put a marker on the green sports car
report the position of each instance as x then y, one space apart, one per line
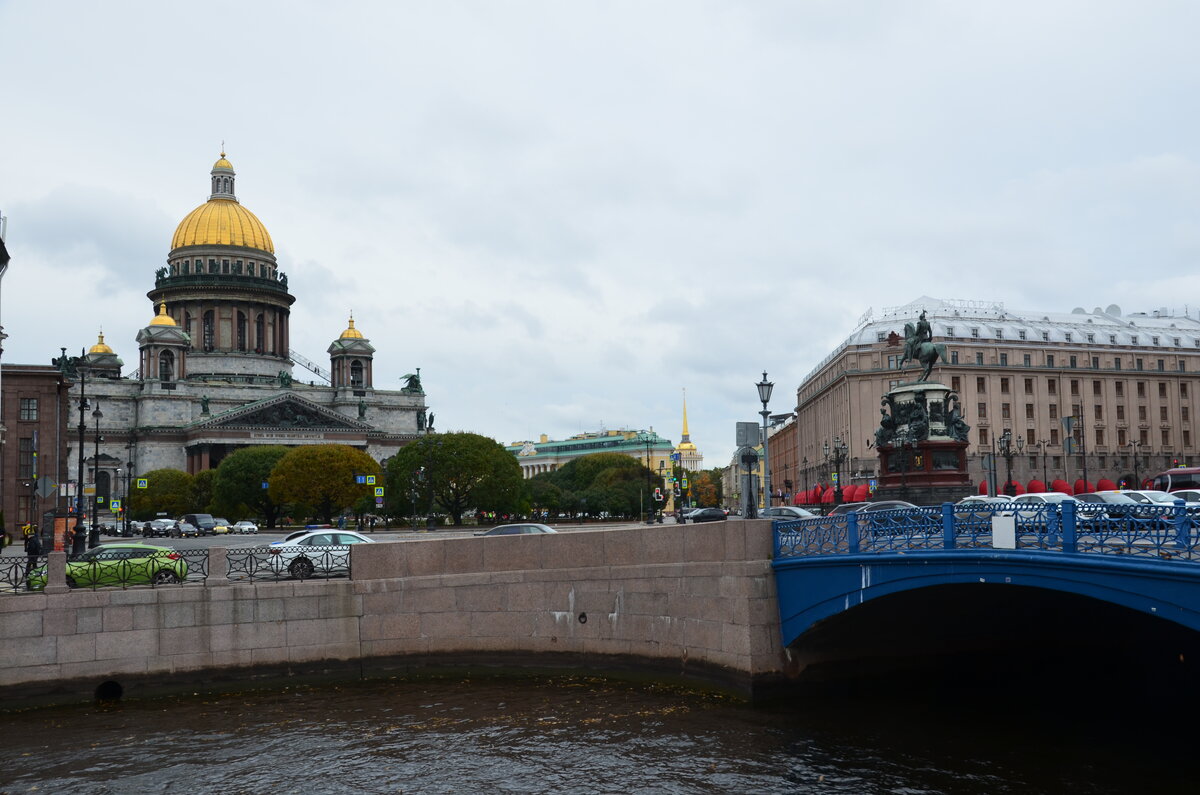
119 564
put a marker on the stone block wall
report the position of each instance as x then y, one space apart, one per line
695 600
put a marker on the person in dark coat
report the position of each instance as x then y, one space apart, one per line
33 548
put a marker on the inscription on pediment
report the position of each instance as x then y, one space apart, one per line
287 415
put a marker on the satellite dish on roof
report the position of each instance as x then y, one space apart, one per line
1113 310
1079 310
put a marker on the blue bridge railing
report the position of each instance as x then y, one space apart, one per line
1168 532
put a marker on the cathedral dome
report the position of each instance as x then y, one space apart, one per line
100 346
351 333
222 221
162 318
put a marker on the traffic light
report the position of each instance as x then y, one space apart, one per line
658 494
1175 462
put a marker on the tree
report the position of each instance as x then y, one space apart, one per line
705 487
238 487
600 483
167 491
457 472
322 478
202 491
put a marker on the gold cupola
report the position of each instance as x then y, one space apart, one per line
100 347
162 318
222 220
351 333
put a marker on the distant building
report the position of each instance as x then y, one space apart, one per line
690 457
1129 380
547 455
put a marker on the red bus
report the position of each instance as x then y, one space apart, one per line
1177 479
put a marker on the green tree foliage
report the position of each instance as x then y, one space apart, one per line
705 487
601 483
237 489
202 491
322 478
167 490
456 471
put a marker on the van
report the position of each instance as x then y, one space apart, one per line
204 522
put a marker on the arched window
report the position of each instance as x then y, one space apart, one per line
356 374
259 334
241 331
166 366
209 331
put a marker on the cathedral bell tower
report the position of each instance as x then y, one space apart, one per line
350 358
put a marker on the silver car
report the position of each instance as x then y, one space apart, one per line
323 552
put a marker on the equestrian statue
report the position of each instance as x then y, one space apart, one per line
920 347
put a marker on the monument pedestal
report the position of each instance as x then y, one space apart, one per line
922 446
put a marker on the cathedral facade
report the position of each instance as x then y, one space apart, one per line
215 370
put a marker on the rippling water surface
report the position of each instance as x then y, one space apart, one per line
574 735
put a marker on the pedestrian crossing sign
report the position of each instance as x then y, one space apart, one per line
143 483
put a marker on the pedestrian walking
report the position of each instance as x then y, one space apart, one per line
33 548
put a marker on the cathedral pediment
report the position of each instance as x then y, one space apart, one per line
283 413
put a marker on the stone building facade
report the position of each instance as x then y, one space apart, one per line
1128 380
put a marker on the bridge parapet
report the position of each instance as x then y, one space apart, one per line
1168 532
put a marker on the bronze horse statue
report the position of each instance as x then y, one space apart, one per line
922 351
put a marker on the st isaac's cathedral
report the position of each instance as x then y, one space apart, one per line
214 367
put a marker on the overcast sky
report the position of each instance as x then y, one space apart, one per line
566 212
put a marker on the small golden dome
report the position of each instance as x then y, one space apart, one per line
222 163
351 333
100 347
686 447
162 318
222 222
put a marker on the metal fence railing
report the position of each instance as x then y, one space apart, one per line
1164 532
288 562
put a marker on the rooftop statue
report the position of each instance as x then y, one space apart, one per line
920 347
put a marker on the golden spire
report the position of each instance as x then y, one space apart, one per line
686 442
162 318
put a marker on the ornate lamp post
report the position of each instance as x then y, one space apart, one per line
839 456
1042 443
764 396
1135 447
94 532
1008 449
804 466
71 368
129 471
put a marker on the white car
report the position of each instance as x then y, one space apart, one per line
985 507
787 512
244 527
324 552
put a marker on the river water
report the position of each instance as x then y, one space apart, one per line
585 735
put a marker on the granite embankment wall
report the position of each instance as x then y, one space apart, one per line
695 601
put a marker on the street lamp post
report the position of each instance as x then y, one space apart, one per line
838 452
94 532
1135 446
1042 443
764 396
129 470
77 367
804 466
1008 449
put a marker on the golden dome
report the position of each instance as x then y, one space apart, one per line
351 333
222 222
162 318
222 163
100 347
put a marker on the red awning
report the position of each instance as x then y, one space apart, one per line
1035 485
1083 487
1061 486
983 487
1104 484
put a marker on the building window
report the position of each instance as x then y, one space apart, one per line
1176 340
1096 388
1187 438
241 331
1021 334
1054 440
1141 388
1049 359
1154 340
1095 362
1120 411
1120 387
1005 411
1162 389
1004 386
1182 366
1004 360
356 374
894 361
983 437
955 383
1028 411
209 331
166 366
978 357
1074 362
29 408
1122 439
1183 413
1099 437
982 411
1141 413
1098 410
953 357
1182 389
25 457
1074 387
975 332
980 384
1045 336
1133 339
1112 339
259 335
1162 413
880 336
1028 386
1027 360
1162 365
1075 412
1053 411
949 331
1117 363
1052 387
1091 337
999 334
1143 436
1165 435
1138 364
1068 336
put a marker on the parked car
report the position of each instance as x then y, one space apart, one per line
871 507
1187 495
307 552
517 530
707 515
1109 503
787 512
158 527
985 507
203 522
221 526
1034 509
119 564
244 526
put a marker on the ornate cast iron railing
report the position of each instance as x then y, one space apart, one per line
1165 532
14 570
289 562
